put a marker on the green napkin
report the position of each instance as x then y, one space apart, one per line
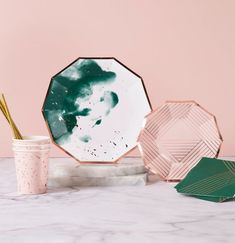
210 179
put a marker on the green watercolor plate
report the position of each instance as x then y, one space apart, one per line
94 109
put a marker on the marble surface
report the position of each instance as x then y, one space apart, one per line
147 214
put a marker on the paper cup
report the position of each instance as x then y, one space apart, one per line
31 161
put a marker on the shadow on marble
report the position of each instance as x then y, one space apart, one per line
152 179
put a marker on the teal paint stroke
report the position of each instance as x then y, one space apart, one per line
85 138
77 81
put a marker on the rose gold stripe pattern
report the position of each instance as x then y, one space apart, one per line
176 136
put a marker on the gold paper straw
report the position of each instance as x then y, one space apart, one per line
10 121
6 113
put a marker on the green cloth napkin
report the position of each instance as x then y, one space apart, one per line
210 179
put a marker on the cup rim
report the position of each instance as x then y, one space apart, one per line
29 151
47 145
35 138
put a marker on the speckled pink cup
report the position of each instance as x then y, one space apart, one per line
31 161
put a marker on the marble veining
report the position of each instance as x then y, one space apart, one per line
152 213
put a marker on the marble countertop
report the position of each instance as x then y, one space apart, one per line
143 214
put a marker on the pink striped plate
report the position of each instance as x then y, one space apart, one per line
176 136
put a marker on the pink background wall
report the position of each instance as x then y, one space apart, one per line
183 49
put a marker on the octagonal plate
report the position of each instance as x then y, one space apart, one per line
176 136
95 108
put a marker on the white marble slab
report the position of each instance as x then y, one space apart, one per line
71 168
128 172
71 181
148 214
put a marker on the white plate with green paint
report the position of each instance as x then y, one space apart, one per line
94 109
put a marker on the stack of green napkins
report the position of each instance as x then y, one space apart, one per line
210 179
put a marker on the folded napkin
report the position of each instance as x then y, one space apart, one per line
210 179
